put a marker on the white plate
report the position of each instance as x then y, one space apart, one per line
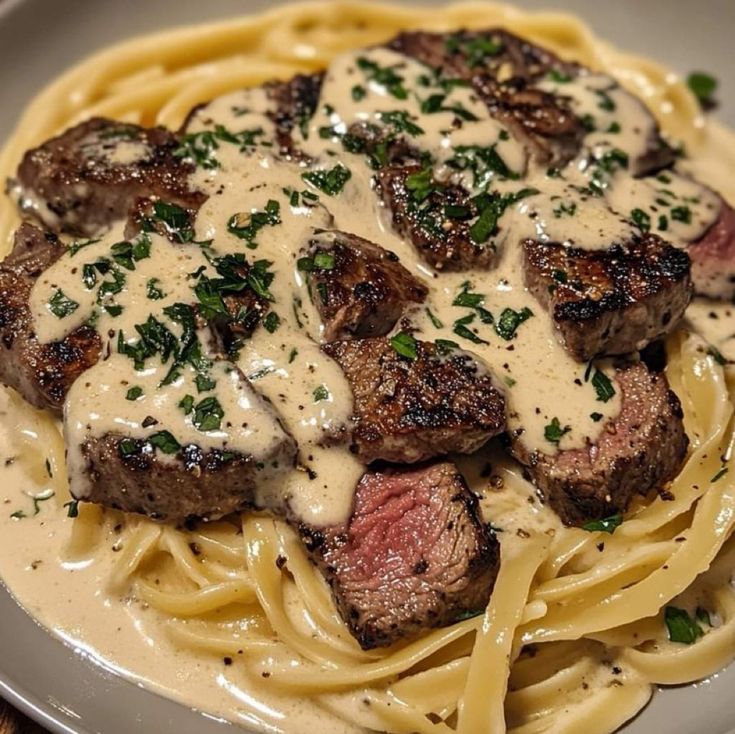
62 688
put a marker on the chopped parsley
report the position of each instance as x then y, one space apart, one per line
603 386
200 147
445 346
681 214
436 323
476 48
75 247
175 221
134 393
386 76
72 508
163 441
491 207
461 328
721 473
401 121
509 321
60 305
561 77
605 101
153 291
681 627
331 182
717 355
641 219
208 414
703 86
405 345
483 162
321 393
320 261
596 417
246 226
187 404
553 432
606 525
271 322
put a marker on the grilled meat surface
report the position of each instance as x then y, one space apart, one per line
359 289
41 373
642 447
412 409
126 474
92 174
612 301
414 554
444 243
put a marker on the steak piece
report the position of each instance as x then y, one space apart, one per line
170 473
195 484
295 102
41 373
414 555
611 301
641 448
91 175
408 410
359 289
502 68
713 257
419 216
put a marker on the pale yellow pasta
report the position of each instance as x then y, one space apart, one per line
589 604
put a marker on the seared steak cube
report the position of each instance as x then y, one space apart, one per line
640 448
359 289
408 409
41 373
92 174
414 555
611 301
419 215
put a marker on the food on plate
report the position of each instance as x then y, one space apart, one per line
381 372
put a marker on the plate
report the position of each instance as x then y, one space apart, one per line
62 687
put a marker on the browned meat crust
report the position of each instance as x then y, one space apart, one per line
86 187
414 555
613 301
127 474
41 373
444 242
642 447
359 289
294 104
409 410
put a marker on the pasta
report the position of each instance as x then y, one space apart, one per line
574 638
